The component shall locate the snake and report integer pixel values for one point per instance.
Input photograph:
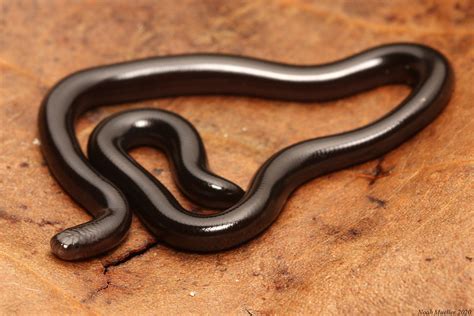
(109, 182)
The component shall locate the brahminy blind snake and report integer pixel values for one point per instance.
(104, 184)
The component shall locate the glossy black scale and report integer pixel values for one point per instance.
(111, 180)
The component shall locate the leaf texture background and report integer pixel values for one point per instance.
(393, 235)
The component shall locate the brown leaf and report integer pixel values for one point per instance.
(391, 236)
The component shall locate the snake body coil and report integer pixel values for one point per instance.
(104, 187)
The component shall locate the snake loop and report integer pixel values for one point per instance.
(104, 187)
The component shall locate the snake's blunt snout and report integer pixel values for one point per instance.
(91, 238)
(66, 245)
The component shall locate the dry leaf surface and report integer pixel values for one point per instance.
(392, 235)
